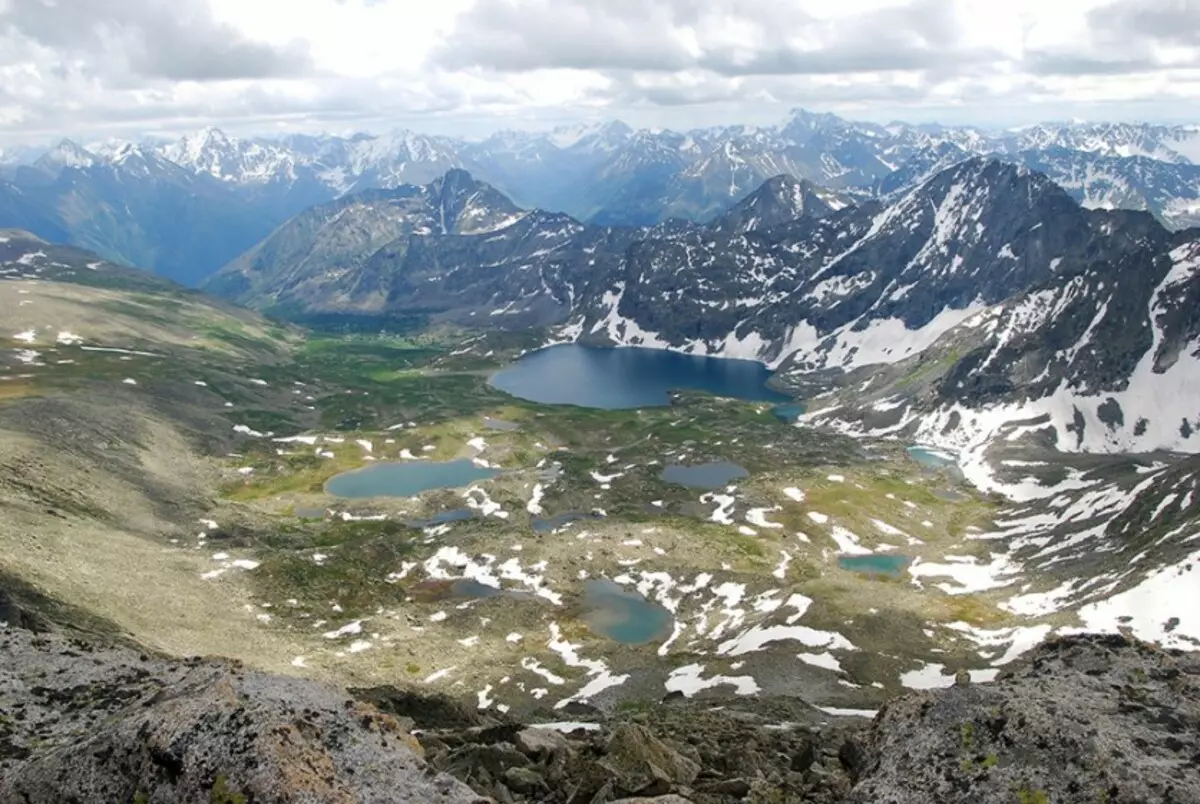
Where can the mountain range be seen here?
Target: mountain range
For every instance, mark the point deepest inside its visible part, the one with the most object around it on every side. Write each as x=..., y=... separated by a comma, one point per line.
x=160, y=205
x=1085, y=320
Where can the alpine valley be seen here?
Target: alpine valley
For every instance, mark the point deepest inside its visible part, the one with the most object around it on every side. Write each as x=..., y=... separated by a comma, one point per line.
x=346, y=455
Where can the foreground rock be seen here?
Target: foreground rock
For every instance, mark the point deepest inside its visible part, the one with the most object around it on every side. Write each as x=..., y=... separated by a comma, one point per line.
x=1086, y=719
x=82, y=723
x=1083, y=719
x=740, y=751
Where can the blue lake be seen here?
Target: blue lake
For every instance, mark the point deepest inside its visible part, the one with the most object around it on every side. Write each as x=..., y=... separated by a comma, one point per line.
x=629, y=377
x=406, y=479
x=875, y=564
x=624, y=616
x=713, y=475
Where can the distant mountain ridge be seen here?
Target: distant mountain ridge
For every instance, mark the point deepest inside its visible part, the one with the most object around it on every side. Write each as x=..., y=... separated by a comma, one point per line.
x=129, y=202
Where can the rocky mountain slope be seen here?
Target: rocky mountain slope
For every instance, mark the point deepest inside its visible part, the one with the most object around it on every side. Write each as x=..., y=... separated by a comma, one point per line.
x=610, y=174
x=1169, y=190
x=330, y=245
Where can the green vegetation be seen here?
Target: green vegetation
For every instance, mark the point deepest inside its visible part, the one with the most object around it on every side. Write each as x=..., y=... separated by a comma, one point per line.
x=358, y=557
x=929, y=369
x=222, y=793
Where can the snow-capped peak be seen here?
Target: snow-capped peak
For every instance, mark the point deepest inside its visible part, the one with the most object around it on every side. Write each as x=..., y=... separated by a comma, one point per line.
x=68, y=154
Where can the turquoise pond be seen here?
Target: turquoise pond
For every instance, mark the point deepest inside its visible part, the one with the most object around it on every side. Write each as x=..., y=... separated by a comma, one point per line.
x=623, y=616
x=789, y=412
x=406, y=479
x=713, y=475
x=629, y=377
x=932, y=458
x=875, y=563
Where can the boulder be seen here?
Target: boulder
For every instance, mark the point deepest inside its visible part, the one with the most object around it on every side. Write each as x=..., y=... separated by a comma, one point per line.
x=87, y=723
x=542, y=743
x=524, y=780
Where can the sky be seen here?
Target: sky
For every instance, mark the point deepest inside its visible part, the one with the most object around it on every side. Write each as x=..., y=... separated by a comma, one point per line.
x=91, y=69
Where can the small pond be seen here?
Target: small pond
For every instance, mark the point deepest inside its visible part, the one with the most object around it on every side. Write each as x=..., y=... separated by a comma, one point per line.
x=623, y=616
x=790, y=411
x=875, y=563
x=472, y=589
x=932, y=458
x=434, y=590
x=629, y=377
x=406, y=479
x=453, y=515
x=713, y=475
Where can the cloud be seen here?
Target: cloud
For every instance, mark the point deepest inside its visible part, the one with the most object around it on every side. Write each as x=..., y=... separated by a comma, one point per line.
x=725, y=37
x=100, y=68
x=1172, y=22
x=148, y=39
x=1126, y=37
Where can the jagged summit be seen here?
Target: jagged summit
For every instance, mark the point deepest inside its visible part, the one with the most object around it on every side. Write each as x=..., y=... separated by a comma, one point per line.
x=467, y=206
x=778, y=200
x=67, y=154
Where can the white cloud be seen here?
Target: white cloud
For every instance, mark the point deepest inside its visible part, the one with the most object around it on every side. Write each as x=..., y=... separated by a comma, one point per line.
x=99, y=67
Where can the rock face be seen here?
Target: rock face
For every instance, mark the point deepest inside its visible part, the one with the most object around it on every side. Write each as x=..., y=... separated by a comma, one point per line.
x=137, y=208
x=83, y=723
x=1087, y=719
x=187, y=207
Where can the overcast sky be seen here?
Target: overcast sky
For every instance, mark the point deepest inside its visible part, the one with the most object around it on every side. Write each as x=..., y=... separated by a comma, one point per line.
x=96, y=68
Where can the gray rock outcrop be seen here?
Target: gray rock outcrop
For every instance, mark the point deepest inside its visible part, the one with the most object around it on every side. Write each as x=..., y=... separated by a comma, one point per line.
x=81, y=723
x=1086, y=719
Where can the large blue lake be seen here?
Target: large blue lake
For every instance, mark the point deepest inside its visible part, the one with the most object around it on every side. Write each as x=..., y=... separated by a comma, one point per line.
x=629, y=377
